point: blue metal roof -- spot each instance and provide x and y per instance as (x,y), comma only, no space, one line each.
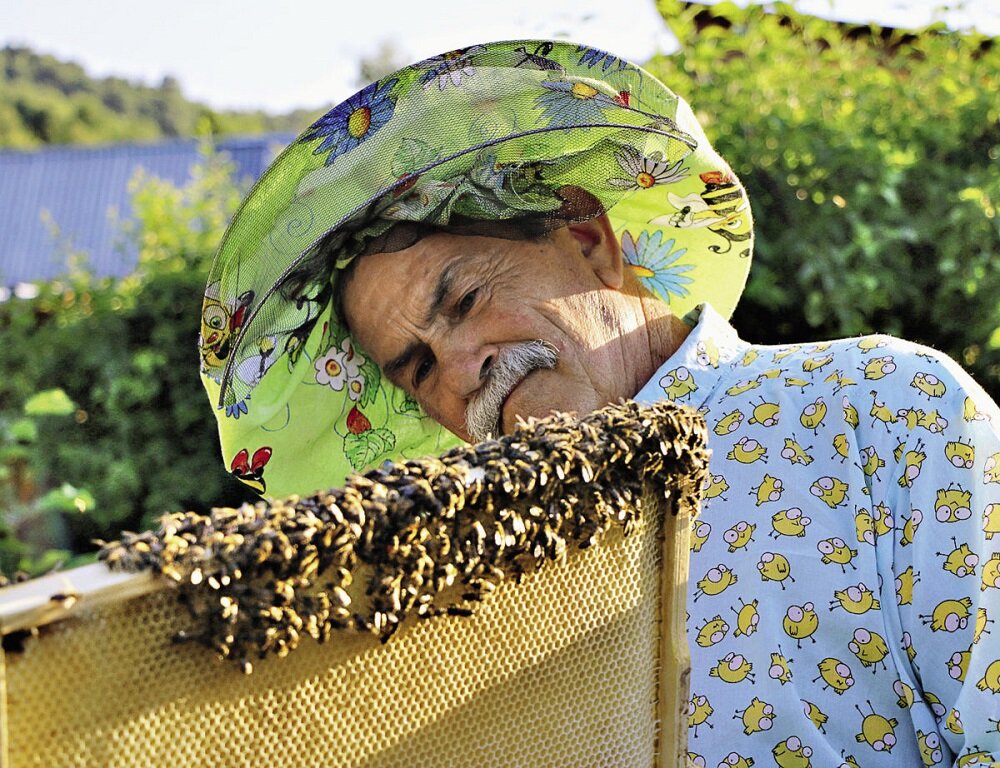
(78,188)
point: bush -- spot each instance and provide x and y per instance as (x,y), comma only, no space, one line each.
(871,161)
(129,434)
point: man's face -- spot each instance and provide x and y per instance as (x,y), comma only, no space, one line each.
(438,316)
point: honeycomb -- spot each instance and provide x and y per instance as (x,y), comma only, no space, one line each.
(581,662)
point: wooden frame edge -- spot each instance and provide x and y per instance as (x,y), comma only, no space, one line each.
(674,653)
(60,595)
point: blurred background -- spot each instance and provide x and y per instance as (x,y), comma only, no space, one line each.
(867,134)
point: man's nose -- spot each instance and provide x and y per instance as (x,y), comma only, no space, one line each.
(467,365)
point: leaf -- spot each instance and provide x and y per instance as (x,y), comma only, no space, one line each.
(23,431)
(994,340)
(362,450)
(412,156)
(51,402)
(67,498)
(14,453)
(373,380)
(403,403)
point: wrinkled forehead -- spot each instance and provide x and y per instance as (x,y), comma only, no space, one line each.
(377,289)
(421,257)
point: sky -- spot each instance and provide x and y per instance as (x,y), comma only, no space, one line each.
(248,54)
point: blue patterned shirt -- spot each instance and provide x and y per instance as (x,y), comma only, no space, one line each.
(845,568)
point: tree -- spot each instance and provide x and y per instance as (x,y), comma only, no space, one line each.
(44,100)
(384,61)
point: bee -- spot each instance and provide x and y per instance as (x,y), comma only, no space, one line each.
(221,323)
(65,599)
(721,207)
(536,58)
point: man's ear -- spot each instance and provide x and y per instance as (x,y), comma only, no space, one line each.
(600,246)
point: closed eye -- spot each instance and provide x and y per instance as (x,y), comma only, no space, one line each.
(422,370)
(467,302)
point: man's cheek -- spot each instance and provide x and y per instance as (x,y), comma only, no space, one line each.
(452,419)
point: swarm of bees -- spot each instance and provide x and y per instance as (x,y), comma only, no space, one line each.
(426,536)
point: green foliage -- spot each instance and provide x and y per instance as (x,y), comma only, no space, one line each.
(32,529)
(871,160)
(47,101)
(51,402)
(103,422)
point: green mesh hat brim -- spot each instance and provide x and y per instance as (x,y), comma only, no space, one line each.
(502,133)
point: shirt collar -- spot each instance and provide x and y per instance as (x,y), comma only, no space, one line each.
(695,370)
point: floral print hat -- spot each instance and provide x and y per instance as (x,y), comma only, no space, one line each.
(488,139)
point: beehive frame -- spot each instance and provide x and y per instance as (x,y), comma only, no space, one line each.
(537,676)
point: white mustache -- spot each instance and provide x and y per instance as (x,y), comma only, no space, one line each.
(513,363)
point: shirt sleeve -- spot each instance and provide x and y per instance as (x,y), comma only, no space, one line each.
(945,498)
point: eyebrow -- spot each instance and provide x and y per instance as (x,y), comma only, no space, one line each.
(444,285)
(443,288)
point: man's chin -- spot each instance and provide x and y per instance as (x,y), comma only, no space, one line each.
(530,398)
(509,414)
(519,403)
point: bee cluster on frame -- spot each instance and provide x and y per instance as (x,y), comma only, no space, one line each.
(426,536)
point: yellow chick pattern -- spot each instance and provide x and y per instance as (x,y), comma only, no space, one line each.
(846,564)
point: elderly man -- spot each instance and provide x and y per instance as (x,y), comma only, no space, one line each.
(517,228)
